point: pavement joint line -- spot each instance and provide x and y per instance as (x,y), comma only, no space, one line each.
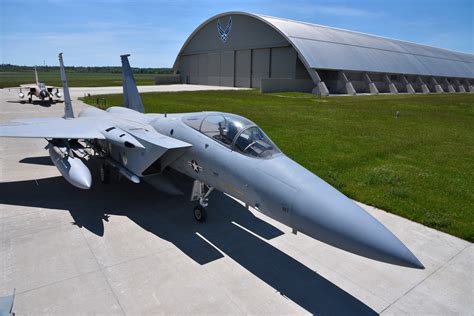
(103,274)
(137,258)
(36,231)
(55,282)
(425,278)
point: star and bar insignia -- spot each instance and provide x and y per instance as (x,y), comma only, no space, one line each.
(196,167)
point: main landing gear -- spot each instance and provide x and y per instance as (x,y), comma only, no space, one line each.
(104,173)
(200,193)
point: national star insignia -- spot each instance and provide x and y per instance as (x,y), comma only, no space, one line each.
(196,167)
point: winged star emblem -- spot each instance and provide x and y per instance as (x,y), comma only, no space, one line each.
(224,33)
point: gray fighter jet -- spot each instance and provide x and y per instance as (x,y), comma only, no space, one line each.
(39,90)
(219,151)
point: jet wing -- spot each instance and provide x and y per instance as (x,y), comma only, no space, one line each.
(28,85)
(52,128)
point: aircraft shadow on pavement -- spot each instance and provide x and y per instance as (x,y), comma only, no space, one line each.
(42,161)
(171,218)
(45,104)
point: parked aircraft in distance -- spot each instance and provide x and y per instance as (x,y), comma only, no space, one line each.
(218,151)
(39,90)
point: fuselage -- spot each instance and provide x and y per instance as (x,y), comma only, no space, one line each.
(40,91)
(273,184)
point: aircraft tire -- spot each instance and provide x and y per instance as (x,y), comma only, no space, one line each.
(200,214)
(104,173)
(29,100)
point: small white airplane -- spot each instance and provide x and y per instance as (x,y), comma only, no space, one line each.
(39,90)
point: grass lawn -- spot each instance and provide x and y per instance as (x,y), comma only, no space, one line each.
(419,166)
(75,79)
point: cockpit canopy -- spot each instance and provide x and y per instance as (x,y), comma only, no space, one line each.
(41,85)
(233,131)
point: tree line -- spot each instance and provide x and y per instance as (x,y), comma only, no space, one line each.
(82,69)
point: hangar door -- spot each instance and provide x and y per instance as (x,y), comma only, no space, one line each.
(242,68)
(194,69)
(251,66)
(221,68)
(260,66)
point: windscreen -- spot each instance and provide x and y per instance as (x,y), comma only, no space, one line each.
(234,132)
(223,127)
(253,142)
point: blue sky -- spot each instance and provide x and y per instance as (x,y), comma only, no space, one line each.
(95,33)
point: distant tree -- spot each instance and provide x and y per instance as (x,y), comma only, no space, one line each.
(83,69)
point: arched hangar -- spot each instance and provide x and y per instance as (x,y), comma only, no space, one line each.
(239,49)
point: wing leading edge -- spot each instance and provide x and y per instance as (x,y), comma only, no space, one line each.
(58,128)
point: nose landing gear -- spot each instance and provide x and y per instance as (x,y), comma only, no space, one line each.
(200,213)
(200,193)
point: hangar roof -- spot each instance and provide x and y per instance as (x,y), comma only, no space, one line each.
(323,47)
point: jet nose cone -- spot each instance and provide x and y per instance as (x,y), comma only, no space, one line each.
(324,213)
(43,94)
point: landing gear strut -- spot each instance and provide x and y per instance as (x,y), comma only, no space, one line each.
(104,173)
(200,193)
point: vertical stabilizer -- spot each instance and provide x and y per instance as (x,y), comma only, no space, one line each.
(131,97)
(68,111)
(36,77)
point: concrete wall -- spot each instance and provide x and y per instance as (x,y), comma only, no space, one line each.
(281,85)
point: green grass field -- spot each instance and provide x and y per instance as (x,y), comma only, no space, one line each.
(75,79)
(420,166)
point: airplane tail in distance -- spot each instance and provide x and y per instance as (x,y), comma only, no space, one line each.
(36,77)
(131,97)
(68,111)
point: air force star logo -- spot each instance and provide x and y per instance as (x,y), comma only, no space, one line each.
(224,33)
(196,167)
